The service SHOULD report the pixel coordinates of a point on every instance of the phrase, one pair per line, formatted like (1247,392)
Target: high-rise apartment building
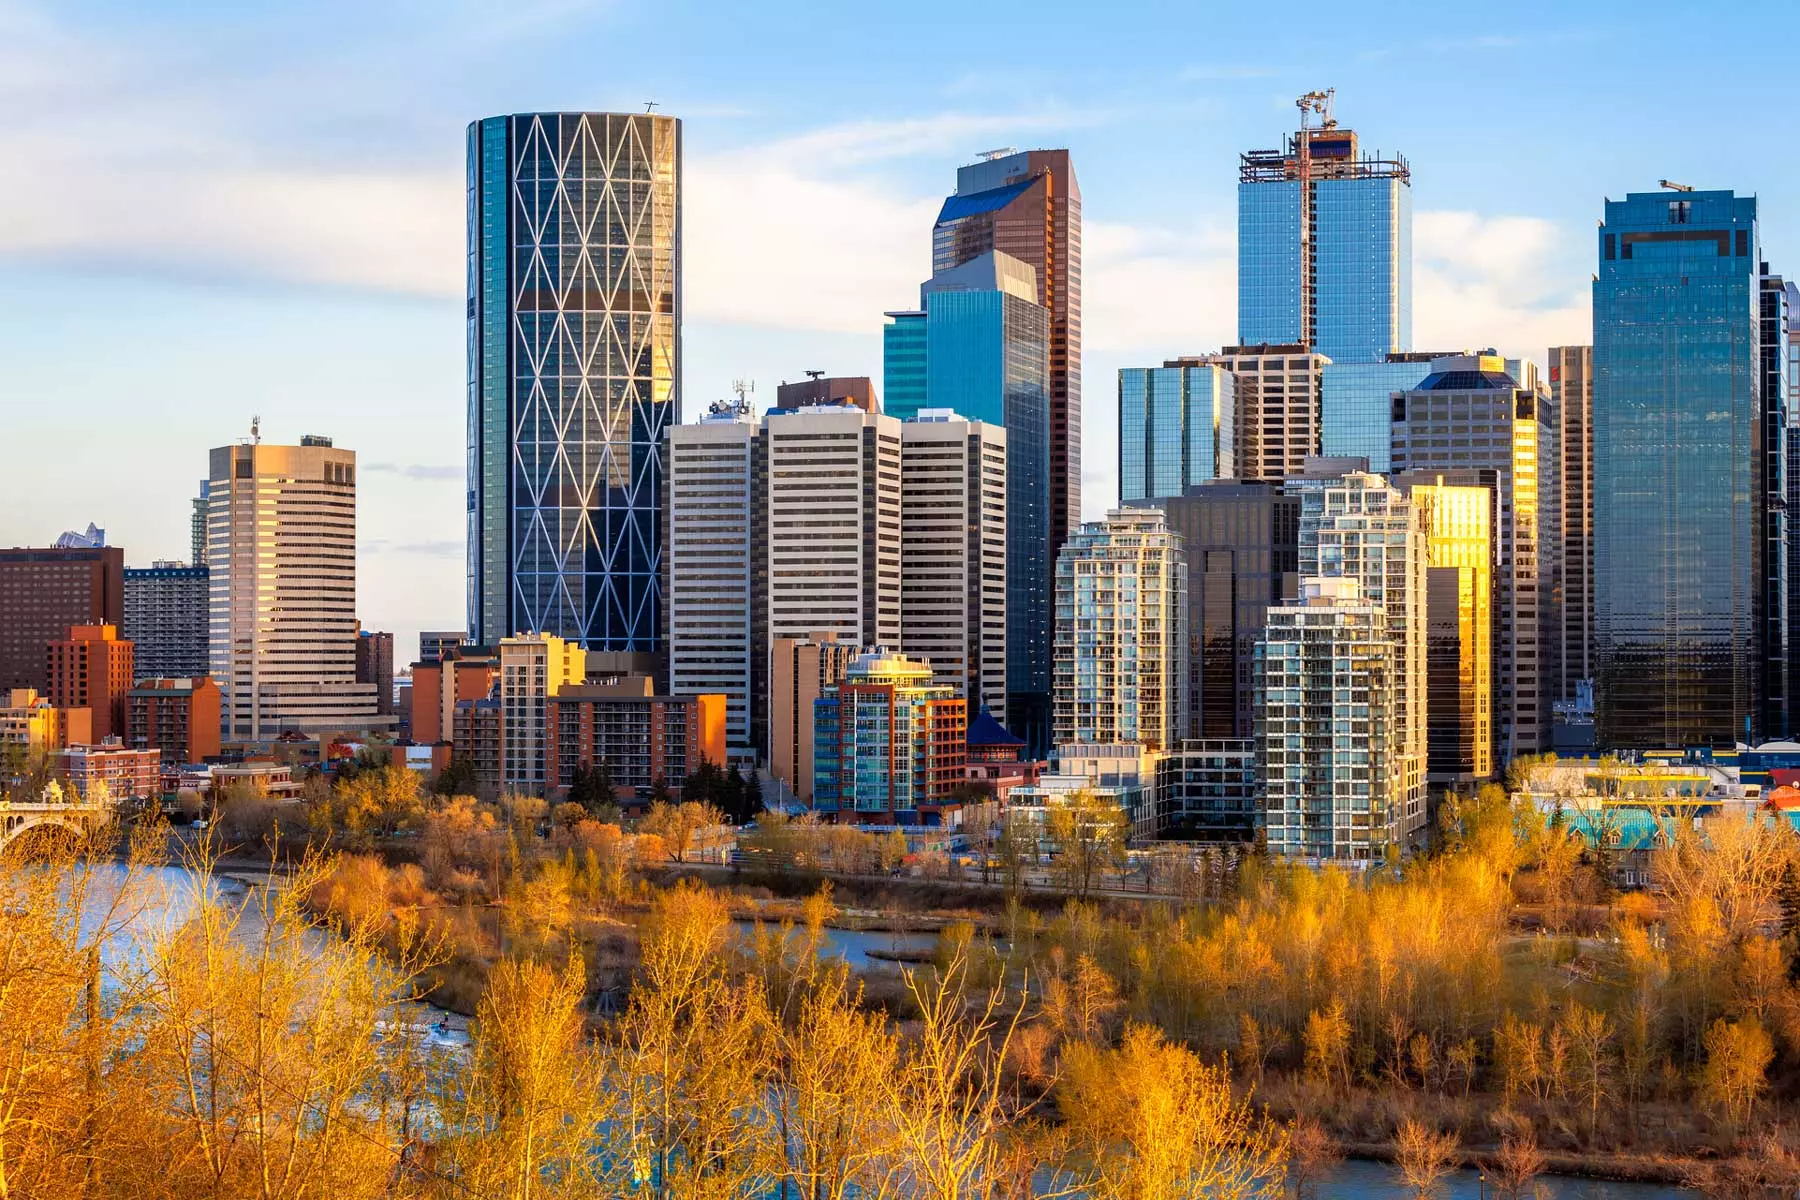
(1028,205)
(1572,391)
(953,553)
(1777,529)
(1357,527)
(574,352)
(1678,467)
(534,669)
(1486,411)
(800,671)
(1325,246)
(45,591)
(375,666)
(1332,747)
(1791,451)
(179,717)
(1241,545)
(166,619)
(985,343)
(645,740)
(281,541)
(91,667)
(889,744)
(1176,429)
(1275,427)
(1121,633)
(713,529)
(197,525)
(1459,509)
(463,675)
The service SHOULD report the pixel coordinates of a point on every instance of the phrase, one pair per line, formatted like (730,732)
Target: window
(1679,211)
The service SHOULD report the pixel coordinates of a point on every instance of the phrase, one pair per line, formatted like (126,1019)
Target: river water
(1358,1180)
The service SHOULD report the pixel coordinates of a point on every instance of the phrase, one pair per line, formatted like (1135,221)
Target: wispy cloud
(430,471)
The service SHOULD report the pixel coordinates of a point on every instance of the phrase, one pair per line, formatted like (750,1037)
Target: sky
(212,211)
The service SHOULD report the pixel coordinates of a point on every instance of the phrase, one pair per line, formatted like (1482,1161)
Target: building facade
(1678,472)
(534,669)
(801,670)
(282,548)
(1241,546)
(889,745)
(1275,427)
(1331,743)
(1176,429)
(462,674)
(1028,205)
(179,717)
(166,615)
(574,355)
(1358,528)
(375,666)
(1355,399)
(434,643)
(1484,411)
(1121,633)
(1209,790)
(91,668)
(45,591)
(647,741)
(1325,247)
(1777,530)
(109,769)
(953,553)
(32,726)
(858,391)
(1571,370)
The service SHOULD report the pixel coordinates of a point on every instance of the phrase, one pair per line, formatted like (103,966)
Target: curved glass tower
(574,317)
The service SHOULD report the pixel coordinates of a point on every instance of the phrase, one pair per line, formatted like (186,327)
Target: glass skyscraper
(1325,247)
(1356,404)
(986,356)
(574,352)
(1175,429)
(1678,471)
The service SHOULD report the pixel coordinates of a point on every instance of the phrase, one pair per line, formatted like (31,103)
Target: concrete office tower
(1176,429)
(1459,669)
(534,669)
(1357,527)
(1777,528)
(713,528)
(1678,472)
(1121,633)
(800,671)
(953,553)
(1332,746)
(983,345)
(1241,545)
(889,744)
(1275,428)
(91,668)
(1572,391)
(574,359)
(166,619)
(855,390)
(1485,411)
(1028,205)
(197,526)
(281,541)
(45,591)
(1325,246)
(832,540)
(375,666)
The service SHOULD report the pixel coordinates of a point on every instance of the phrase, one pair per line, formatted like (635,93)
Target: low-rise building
(1208,791)
(30,722)
(180,717)
(996,758)
(126,774)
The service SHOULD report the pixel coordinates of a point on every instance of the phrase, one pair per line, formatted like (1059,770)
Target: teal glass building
(1325,247)
(985,343)
(574,353)
(1356,401)
(1176,429)
(1678,472)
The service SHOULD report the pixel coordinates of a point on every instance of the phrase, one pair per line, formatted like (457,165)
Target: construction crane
(1320,103)
(1675,187)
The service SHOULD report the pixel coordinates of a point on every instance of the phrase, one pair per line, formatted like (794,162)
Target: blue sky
(216,210)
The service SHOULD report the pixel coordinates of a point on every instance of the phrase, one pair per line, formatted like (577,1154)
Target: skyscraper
(1275,424)
(1777,529)
(1678,471)
(1486,411)
(166,618)
(1325,246)
(43,591)
(1176,429)
(574,356)
(282,548)
(1028,205)
(1121,633)
(987,357)
(1572,390)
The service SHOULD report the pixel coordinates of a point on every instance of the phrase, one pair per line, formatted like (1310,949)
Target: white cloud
(1512,282)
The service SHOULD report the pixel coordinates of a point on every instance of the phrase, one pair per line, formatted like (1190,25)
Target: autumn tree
(1086,835)
(1424,1158)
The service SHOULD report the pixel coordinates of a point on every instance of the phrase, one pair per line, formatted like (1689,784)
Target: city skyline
(211,294)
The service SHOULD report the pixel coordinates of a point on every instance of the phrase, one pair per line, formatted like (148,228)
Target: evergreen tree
(731,797)
(457,778)
(753,797)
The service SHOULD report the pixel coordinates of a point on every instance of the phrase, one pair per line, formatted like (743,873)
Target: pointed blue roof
(957,207)
(985,731)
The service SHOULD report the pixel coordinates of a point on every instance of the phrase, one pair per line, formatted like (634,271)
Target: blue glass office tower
(986,344)
(1325,247)
(574,352)
(1777,532)
(1176,429)
(1679,488)
(1356,401)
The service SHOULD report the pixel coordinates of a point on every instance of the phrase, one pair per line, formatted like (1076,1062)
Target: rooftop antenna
(815,376)
(1673,186)
(1320,103)
(650,106)
(745,388)
(256,430)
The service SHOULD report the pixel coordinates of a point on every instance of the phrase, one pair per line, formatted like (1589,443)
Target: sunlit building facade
(889,744)
(574,353)
(1176,429)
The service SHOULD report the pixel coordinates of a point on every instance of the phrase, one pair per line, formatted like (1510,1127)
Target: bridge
(78,817)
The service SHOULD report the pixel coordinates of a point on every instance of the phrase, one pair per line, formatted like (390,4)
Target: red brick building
(180,717)
(45,591)
(91,668)
(642,737)
(128,774)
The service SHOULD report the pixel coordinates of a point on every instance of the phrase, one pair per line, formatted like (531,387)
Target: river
(1356,1179)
